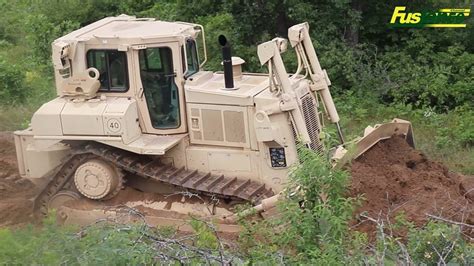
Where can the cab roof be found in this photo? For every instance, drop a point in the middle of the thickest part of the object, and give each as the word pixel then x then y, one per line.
pixel 128 27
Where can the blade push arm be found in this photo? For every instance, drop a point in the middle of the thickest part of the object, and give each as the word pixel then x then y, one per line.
pixel 280 85
pixel 301 41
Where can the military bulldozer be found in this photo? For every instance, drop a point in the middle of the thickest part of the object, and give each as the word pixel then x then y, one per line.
pixel 136 108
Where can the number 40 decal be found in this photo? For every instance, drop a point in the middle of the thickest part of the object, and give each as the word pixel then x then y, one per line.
pixel 114 125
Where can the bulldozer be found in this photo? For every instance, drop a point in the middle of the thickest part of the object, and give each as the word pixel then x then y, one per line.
pixel 135 108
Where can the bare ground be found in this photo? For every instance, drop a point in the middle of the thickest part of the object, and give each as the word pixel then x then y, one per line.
pixel 15 192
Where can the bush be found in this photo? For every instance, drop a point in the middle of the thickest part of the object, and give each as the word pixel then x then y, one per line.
pixel 54 245
pixel 441 79
pixel 313 227
pixel 43 31
pixel 439 243
pixel 457 130
pixel 12 84
pixel 111 243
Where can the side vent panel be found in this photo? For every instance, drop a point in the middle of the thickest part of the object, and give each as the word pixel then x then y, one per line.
pixel 212 125
pixel 197 135
pixel 234 126
pixel 219 125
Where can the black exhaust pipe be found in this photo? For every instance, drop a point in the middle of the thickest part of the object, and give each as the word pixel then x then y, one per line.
pixel 227 61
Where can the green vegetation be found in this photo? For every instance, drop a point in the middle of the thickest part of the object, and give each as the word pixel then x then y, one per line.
pixel 109 243
pixel 422 75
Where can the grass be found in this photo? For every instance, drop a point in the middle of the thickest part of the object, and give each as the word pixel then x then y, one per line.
pixel 15 118
pixel 456 158
pixel 40 89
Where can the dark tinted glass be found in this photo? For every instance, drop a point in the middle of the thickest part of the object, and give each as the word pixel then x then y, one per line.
pixel 112 66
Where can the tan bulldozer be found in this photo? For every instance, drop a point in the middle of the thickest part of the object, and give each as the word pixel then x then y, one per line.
pixel 135 108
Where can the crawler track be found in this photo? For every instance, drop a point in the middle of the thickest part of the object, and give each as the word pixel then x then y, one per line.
pixel 152 169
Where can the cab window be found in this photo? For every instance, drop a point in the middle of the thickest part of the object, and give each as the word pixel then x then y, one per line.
pixel 191 57
pixel 112 66
pixel 161 93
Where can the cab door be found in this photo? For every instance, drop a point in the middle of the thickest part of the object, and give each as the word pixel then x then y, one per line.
pixel 160 89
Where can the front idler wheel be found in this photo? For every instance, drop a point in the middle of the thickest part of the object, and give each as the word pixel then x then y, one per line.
pixel 97 179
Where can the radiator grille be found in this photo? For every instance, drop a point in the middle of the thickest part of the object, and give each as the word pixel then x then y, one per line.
pixel 313 124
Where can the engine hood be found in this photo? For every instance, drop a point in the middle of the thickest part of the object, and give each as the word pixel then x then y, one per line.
pixel 206 87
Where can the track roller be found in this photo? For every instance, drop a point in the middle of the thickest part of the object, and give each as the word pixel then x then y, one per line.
pixel 62 197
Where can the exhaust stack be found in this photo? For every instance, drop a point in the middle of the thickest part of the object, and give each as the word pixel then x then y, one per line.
pixel 227 62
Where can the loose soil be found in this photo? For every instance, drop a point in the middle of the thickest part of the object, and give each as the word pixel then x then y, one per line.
pixel 155 204
pixel 394 178
pixel 15 192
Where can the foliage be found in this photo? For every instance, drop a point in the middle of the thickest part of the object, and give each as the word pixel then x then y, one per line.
pixel 205 237
pixel 313 227
pixel 322 228
pixel 110 243
pixel 43 31
pixel 312 240
pixel 440 79
pixel 52 244
pixel 439 242
pixel 13 88
pixel 460 130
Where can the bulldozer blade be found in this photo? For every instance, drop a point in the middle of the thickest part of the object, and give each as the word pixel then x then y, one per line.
pixel 373 135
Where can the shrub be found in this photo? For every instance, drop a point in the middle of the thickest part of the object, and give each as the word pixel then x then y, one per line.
pixel 42 32
pixel 439 243
pixel 313 227
pixel 12 84
pixel 111 243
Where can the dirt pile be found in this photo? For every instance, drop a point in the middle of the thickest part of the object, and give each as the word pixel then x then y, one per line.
pixel 15 192
pixel 395 178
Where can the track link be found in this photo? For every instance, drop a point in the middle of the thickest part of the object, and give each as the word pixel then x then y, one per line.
pixel 152 169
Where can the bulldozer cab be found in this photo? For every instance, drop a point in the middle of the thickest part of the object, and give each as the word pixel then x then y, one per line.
pixel 143 60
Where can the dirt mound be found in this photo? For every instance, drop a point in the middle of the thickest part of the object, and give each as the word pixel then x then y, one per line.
pixel 7 156
pixel 15 192
pixel 395 178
